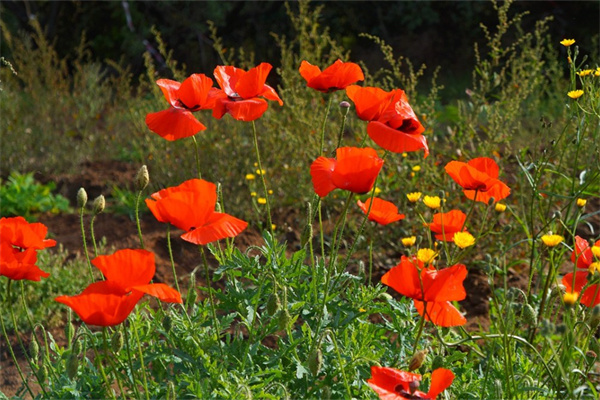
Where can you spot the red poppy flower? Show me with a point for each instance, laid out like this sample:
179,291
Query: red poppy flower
191,207
478,177
393,124
355,169
582,253
241,91
128,274
394,384
383,212
445,225
335,77
591,295
430,289
19,242
176,122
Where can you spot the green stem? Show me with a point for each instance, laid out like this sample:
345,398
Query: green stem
262,178
137,218
85,249
130,361
421,325
341,134
197,156
93,237
322,142
98,359
142,364
216,326
170,248
110,359
339,357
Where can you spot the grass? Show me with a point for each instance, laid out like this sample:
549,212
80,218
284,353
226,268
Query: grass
307,323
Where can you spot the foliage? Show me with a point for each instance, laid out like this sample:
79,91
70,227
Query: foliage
22,195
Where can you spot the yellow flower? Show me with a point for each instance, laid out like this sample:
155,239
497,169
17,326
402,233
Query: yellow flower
412,174
569,59
413,197
260,171
570,298
432,202
273,227
404,154
596,251
416,168
575,94
250,177
552,240
256,164
567,42
463,239
270,191
262,200
409,241
362,309
499,207
585,72
377,191
253,194
426,255
595,266
581,202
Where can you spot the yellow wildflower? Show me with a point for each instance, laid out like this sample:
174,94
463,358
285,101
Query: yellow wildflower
260,172
596,251
273,226
250,177
270,191
463,239
412,174
409,241
253,194
567,42
581,202
595,266
413,197
432,202
499,207
426,255
585,72
404,154
570,298
377,191
575,94
416,168
262,200
552,240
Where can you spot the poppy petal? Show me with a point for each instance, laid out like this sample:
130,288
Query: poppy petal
251,84
163,292
404,279
219,226
356,169
321,170
383,212
241,110
194,90
447,285
270,94
441,313
127,267
18,265
337,76
169,89
394,140
582,253
386,382
441,379
445,225
309,71
368,101
486,165
174,123
227,77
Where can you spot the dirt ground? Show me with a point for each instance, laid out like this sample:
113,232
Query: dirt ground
120,232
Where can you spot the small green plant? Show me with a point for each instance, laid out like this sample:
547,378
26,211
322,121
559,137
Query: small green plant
22,195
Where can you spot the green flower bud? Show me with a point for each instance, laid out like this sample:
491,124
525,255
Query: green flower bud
43,373
142,178
82,198
284,319
116,342
274,304
72,365
315,361
99,204
529,314
34,348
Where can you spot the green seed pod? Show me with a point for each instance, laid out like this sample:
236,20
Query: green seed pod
99,204
274,304
116,342
34,348
171,391
167,323
77,347
315,361
82,198
284,319
529,314
72,366
547,328
43,373
218,207
142,178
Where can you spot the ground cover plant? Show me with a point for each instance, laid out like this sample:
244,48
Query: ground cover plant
395,201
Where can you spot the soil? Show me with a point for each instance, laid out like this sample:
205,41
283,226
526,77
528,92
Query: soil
120,232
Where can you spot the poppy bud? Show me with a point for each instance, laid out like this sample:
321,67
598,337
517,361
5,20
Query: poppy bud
116,342
315,361
442,194
142,178
557,214
77,347
344,104
82,198
491,201
72,366
34,348
507,228
417,360
274,304
284,319
43,373
529,314
99,204
218,208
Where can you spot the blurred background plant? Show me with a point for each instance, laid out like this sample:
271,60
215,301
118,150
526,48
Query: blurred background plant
22,195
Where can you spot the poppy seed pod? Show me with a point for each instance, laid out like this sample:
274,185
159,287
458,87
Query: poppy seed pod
72,366
99,204
82,198
116,342
43,373
142,178
284,319
315,361
34,349
273,304
529,314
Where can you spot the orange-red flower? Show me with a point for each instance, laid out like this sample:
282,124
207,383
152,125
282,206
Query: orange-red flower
393,124
128,274
193,94
591,295
241,92
19,242
191,207
582,254
383,212
479,179
394,384
445,225
335,77
431,290
354,169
